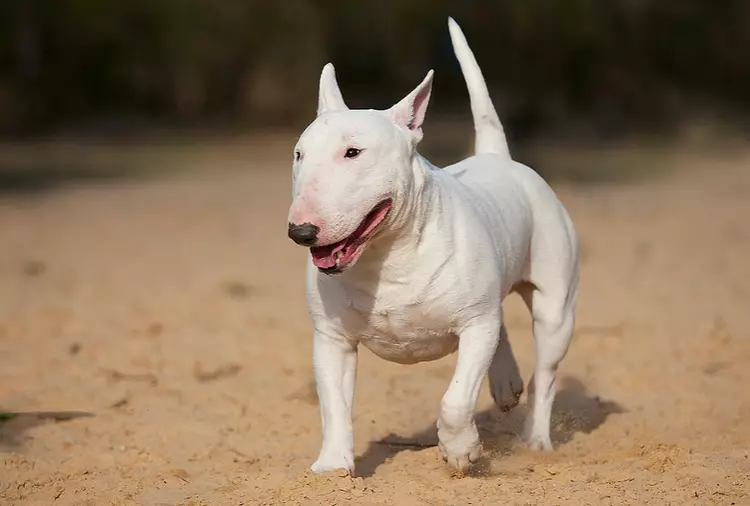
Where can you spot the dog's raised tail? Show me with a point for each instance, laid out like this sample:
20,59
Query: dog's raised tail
490,136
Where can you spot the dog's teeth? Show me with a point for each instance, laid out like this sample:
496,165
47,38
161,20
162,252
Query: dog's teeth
338,260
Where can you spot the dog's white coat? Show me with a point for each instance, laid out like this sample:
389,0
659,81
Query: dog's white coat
432,281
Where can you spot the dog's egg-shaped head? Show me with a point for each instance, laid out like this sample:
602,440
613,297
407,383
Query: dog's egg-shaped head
350,169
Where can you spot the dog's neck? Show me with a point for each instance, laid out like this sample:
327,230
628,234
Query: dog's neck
418,202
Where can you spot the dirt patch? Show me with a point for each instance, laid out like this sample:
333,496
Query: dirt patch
155,349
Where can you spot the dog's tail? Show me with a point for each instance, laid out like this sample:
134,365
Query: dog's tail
490,136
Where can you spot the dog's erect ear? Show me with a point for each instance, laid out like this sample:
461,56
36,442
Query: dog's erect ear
410,112
329,95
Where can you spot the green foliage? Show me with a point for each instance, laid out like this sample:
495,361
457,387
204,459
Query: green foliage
618,63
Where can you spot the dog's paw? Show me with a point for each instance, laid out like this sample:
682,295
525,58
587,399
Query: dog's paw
460,448
330,461
506,387
536,439
538,443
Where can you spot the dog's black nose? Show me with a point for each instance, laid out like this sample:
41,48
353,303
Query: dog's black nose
304,235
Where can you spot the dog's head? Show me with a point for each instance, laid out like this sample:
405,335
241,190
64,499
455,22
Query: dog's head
352,172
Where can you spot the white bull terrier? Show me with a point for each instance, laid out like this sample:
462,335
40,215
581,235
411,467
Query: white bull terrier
414,261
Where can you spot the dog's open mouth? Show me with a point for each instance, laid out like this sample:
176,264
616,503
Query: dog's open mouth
334,258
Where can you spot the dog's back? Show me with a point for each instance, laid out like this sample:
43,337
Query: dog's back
498,185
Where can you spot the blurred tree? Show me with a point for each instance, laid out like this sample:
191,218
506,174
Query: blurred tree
570,67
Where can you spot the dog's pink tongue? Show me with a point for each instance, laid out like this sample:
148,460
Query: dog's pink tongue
322,260
324,257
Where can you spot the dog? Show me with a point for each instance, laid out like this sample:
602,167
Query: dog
414,261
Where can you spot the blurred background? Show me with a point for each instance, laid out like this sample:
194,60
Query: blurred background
561,72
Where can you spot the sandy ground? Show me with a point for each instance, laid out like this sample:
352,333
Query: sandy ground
154,341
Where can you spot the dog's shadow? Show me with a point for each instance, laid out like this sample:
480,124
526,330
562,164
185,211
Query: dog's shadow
574,411
14,425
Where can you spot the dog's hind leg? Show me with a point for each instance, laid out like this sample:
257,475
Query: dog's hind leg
552,298
553,329
506,384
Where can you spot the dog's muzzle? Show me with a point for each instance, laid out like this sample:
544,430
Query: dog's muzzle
305,234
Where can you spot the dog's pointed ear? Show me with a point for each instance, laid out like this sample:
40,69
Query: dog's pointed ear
329,94
410,112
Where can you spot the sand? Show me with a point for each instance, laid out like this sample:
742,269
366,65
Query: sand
155,347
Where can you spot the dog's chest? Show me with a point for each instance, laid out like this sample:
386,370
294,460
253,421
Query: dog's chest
405,331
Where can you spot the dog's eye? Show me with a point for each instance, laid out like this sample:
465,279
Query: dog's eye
352,153
297,156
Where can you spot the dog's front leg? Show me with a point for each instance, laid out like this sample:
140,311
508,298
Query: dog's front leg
335,360
457,430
